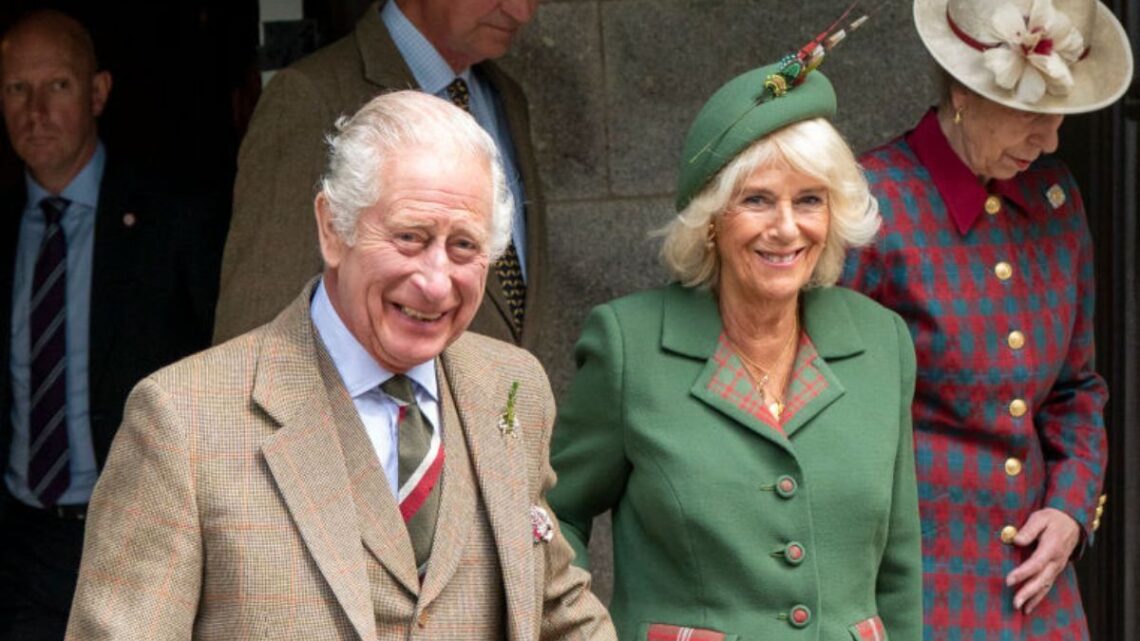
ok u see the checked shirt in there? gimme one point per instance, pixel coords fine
(996, 285)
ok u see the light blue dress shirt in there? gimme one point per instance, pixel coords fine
(362, 377)
(433, 74)
(78, 223)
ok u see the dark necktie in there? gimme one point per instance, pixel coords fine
(508, 268)
(49, 471)
(421, 463)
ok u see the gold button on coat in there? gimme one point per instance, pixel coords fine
(1003, 270)
(1017, 408)
(1007, 534)
(993, 205)
(1013, 466)
(1102, 500)
(1016, 339)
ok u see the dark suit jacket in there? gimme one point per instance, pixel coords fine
(272, 249)
(153, 287)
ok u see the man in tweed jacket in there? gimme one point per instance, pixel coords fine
(258, 490)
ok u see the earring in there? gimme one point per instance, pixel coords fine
(710, 236)
(957, 116)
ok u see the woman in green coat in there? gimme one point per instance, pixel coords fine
(749, 425)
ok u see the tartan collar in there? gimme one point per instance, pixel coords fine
(691, 323)
(964, 195)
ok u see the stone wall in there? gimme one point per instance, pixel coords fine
(613, 86)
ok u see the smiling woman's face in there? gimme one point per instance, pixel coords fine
(996, 141)
(770, 237)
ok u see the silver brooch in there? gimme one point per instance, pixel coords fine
(541, 525)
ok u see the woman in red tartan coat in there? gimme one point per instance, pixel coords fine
(985, 252)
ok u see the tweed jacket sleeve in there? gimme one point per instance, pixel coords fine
(143, 557)
(569, 610)
(281, 158)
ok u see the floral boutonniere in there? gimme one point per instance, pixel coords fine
(509, 420)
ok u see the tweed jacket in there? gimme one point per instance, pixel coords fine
(243, 500)
(272, 249)
(1008, 404)
(727, 525)
(154, 280)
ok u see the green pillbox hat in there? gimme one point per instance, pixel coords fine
(731, 121)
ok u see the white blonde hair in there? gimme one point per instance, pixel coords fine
(380, 131)
(811, 147)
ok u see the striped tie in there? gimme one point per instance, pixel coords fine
(49, 472)
(508, 268)
(421, 463)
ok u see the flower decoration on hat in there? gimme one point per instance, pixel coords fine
(1035, 52)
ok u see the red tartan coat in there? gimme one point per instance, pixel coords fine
(996, 285)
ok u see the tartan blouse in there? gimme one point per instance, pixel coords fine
(995, 282)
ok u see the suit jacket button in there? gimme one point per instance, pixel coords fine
(1013, 466)
(1018, 408)
(1007, 534)
(129, 219)
(423, 619)
(799, 616)
(1016, 340)
(786, 487)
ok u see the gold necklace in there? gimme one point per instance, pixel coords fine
(774, 403)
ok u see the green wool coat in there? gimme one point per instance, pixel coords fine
(720, 521)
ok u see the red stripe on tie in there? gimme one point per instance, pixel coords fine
(403, 411)
(416, 498)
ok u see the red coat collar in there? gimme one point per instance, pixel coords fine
(964, 194)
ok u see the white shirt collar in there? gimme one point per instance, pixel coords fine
(359, 372)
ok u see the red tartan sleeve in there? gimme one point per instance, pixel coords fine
(1070, 421)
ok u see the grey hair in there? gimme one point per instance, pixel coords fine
(379, 131)
(812, 147)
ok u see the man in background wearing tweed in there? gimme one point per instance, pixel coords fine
(360, 468)
(441, 47)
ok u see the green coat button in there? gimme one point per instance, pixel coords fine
(786, 487)
(794, 553)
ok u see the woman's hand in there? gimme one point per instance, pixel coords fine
(1056, 535)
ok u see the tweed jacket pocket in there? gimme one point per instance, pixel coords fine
(666, 632)
(869, 630)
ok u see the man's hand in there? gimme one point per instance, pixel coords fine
(1056, 534)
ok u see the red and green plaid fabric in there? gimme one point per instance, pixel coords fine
(870, 630)
(943, 281)
(661, 632)
(732, 383)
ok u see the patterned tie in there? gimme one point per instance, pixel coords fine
(421, 463)
(49, 472)
(508, 268)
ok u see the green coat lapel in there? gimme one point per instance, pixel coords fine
(691, 326)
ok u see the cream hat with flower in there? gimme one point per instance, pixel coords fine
(1043, 56)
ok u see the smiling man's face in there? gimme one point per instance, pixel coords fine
(413, 278)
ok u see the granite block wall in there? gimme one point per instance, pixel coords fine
(613, 86)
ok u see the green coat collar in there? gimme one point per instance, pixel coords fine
(691, 323)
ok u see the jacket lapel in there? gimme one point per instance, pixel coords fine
(304, 457)
(828, 322)
(383, 64)
(457, 503)
(691, 326)
(500, 468)
(381, 526)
